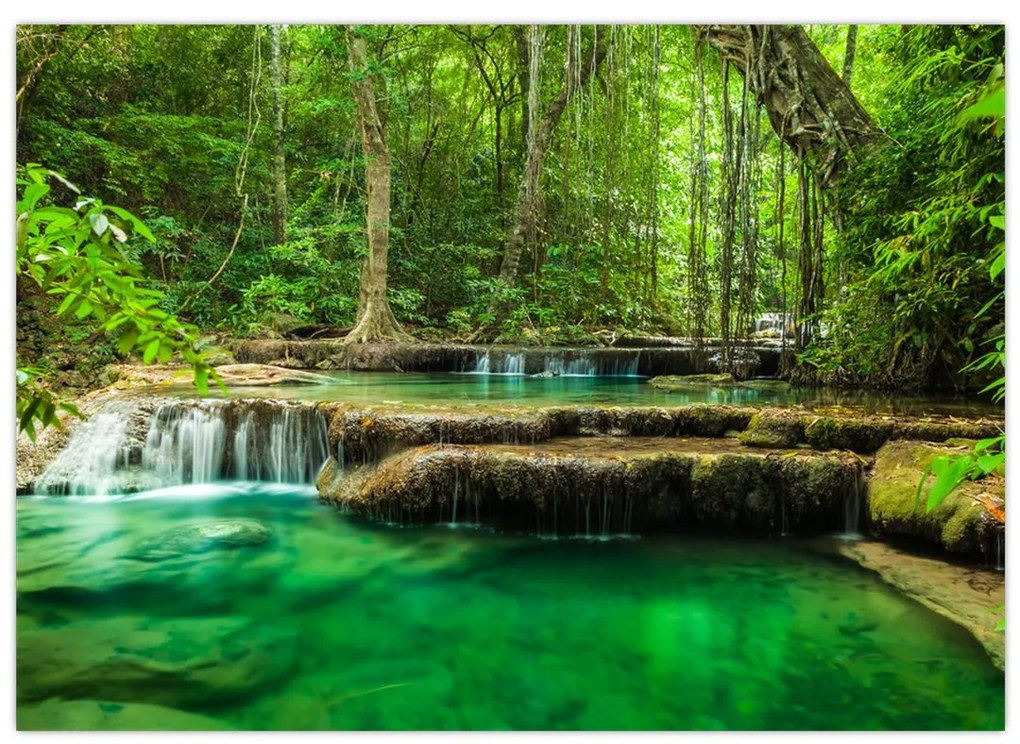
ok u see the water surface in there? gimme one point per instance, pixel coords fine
(477, 389)
(345, 625)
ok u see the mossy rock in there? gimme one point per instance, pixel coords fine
(856, 435)
(959, 524)
(773, 428)
(685, 382)
(730, 490)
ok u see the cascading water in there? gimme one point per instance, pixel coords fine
(89, 461)
(184, 444)
(592, 364)
(504, 364)
(188, 442)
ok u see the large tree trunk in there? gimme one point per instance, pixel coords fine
(375, 318)
(528, 199)
(279, 158)
(808, 104)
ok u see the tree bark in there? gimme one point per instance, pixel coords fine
(279, 157)
(808, 105)
(851, 54)
(528, 199)
(376, 321)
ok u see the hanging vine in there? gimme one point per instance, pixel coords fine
(697, 252)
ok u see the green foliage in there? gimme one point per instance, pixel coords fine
(77, 255)
(988, 455)
(919, 232)
(157, 119)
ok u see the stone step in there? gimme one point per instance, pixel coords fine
(605, 485)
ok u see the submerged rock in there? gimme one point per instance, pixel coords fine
(200, 538)
(685, 382)
(104, 715)
(972, 597)
(177, 661)
(960, 524)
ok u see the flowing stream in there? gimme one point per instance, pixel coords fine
(175, 568)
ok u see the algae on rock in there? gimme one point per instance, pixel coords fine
(960, 524)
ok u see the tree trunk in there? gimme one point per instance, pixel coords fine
(523, 77)
(375, 318)
(528, 200)
(808, 104)
(279, 158)
(851, 54)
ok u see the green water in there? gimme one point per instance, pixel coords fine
(335, 624)
(471, 389)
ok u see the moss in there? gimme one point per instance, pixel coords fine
(773, 428)
(710, 420)
(618, 485)
(730, 490)
(959, 524)
(686, 382)
(865, 434)
(857, 435)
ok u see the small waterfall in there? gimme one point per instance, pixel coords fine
(503, 364)
(184, 445)
(188, 442)
(588, 363)
(1000, 545)
(89, 461)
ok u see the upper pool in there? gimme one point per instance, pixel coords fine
(481, 389)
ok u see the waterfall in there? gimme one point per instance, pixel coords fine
(188, 442)
(504, 364)
(588, 363)
(184, 445)
(88, 462)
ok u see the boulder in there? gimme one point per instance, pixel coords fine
(774, 427)
(960, 524)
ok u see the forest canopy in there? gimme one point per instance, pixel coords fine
(544, 184)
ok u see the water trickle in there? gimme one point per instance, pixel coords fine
(852, 511)
(1000, 545)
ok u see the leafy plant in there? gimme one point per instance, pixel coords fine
(77, 254)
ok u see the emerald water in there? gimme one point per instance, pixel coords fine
(480, 389)
(289, 615)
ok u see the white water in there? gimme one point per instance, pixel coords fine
(570, 364)
(188, 443)
(90, 458)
